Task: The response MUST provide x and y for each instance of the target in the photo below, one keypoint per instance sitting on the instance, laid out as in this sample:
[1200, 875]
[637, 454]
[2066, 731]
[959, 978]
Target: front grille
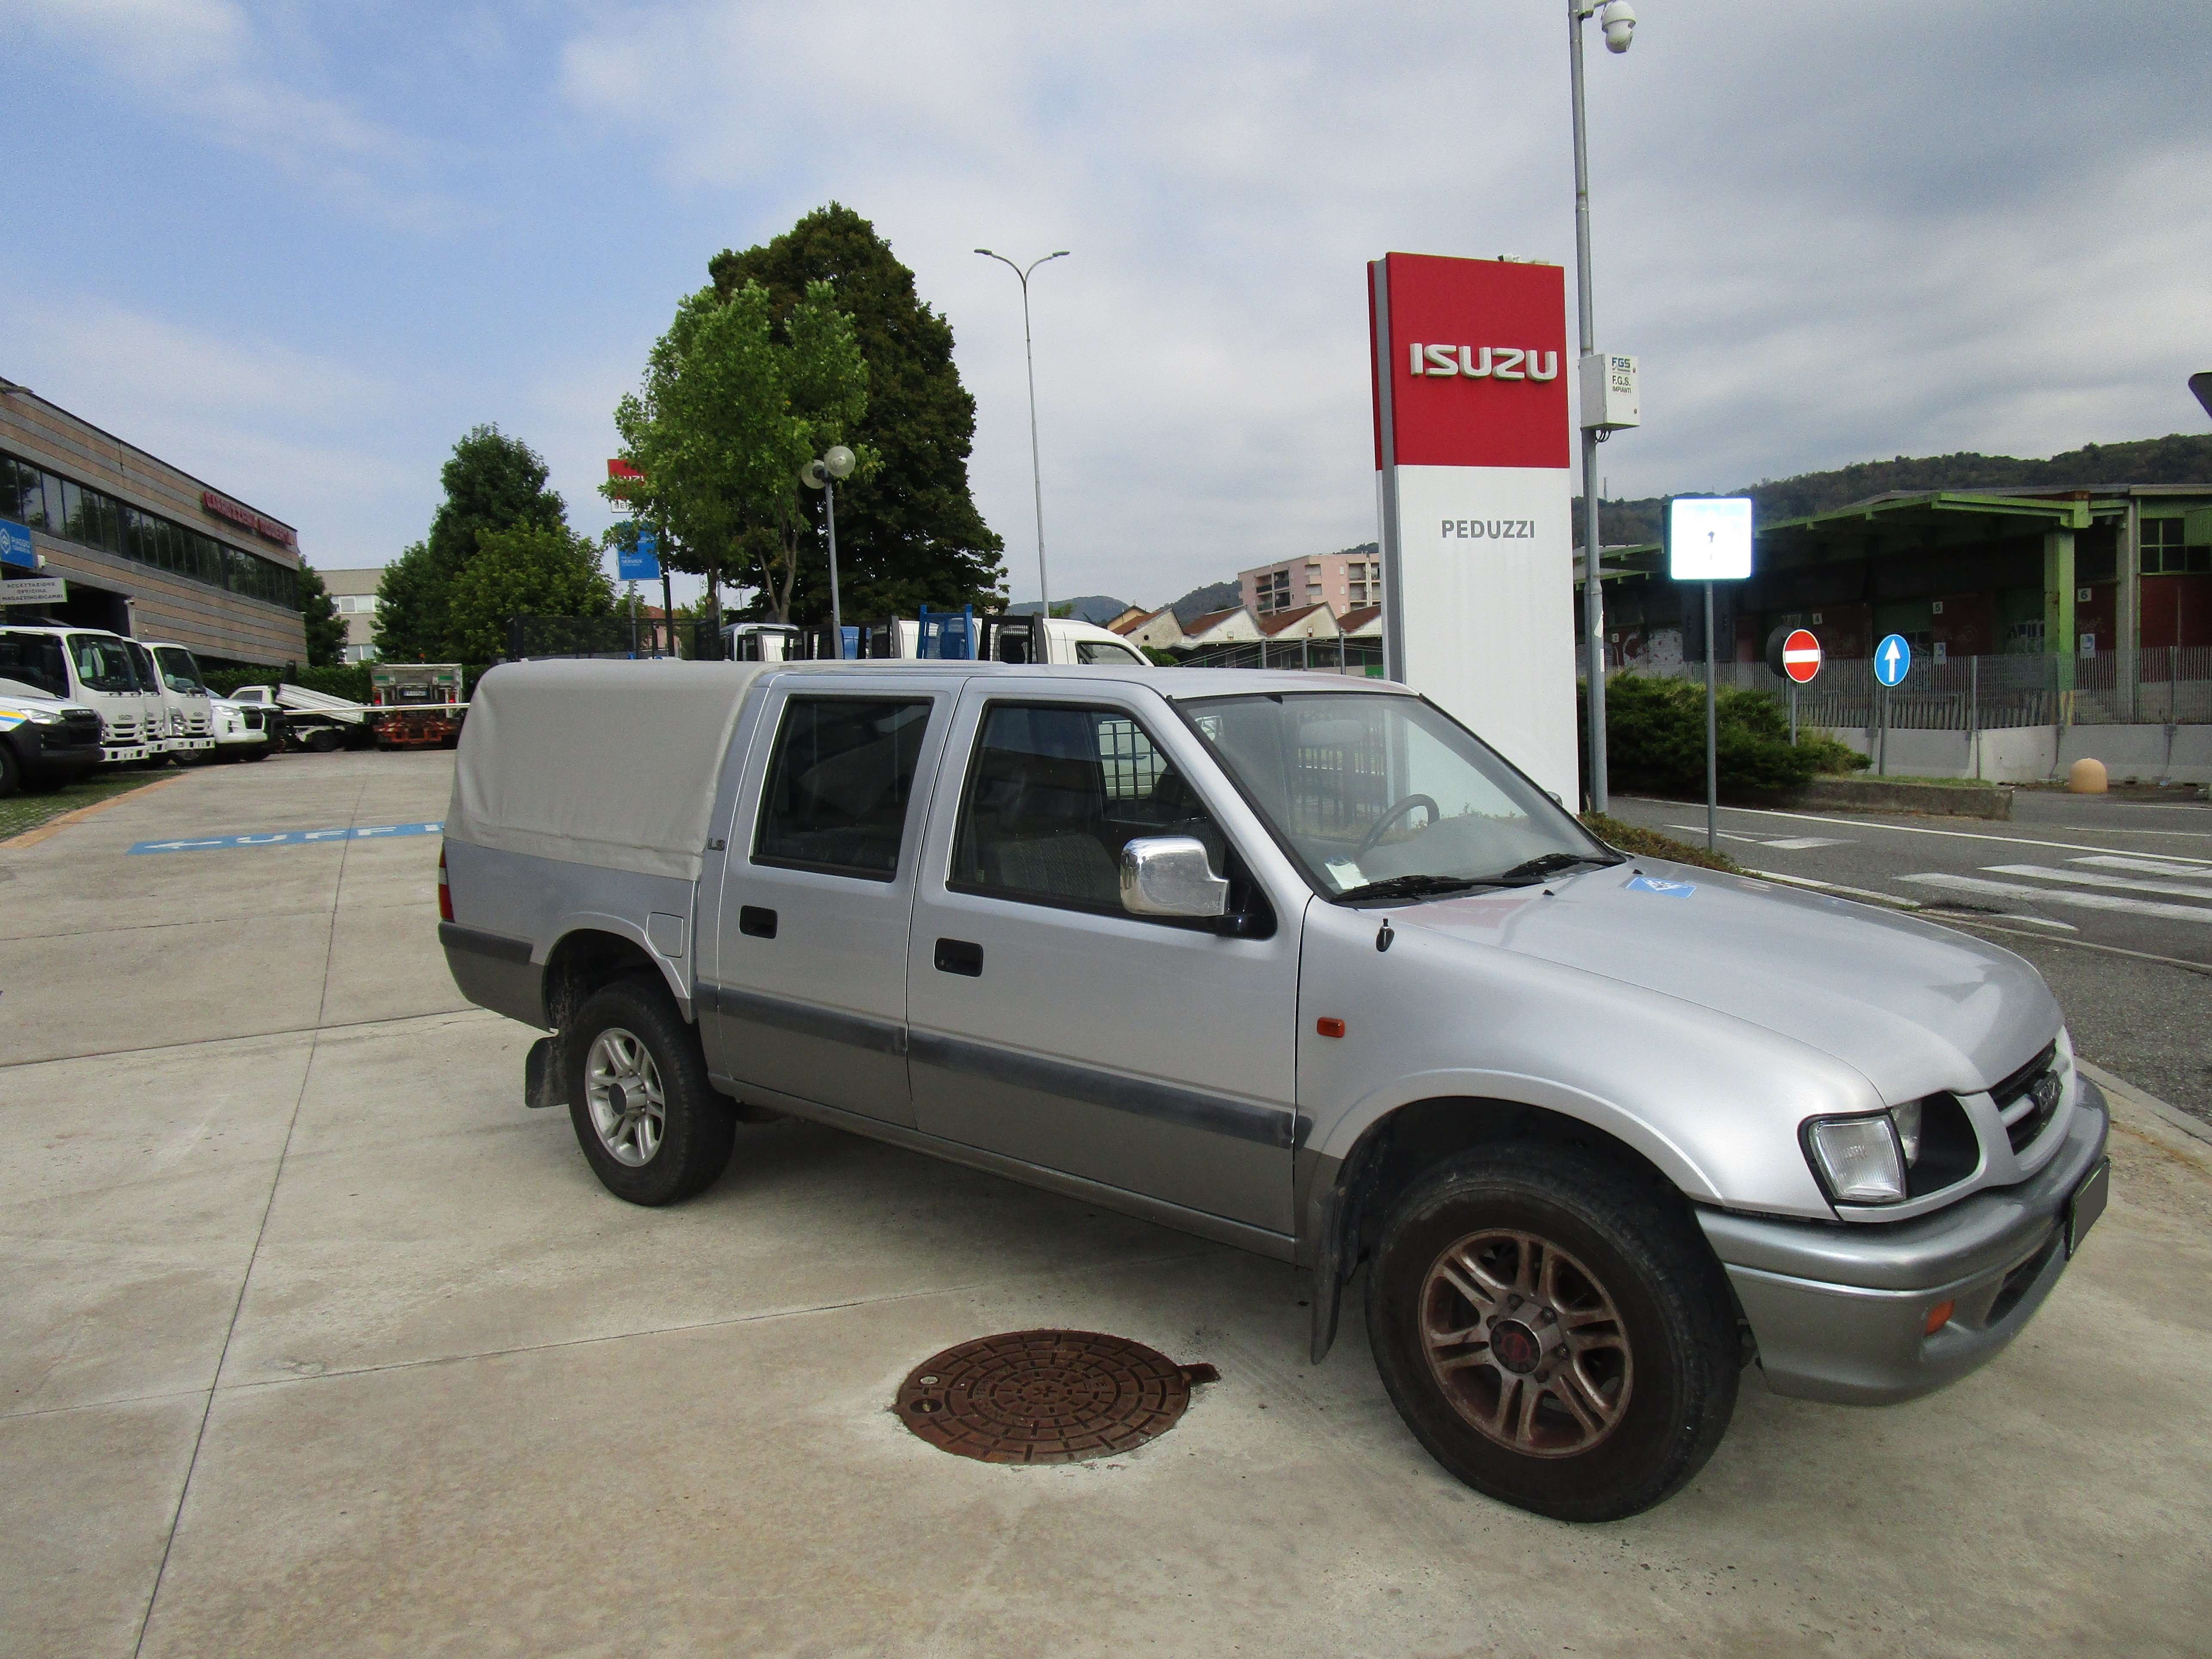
[121, 733]
[2027, 1099]
[253, 719]
[82, 727]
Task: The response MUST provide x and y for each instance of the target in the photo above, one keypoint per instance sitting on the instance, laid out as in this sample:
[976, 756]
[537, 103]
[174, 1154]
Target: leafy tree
[326, 633]
[529, 570]
[908, 533]
[731, 409]
[1655, 740]
[492, 482]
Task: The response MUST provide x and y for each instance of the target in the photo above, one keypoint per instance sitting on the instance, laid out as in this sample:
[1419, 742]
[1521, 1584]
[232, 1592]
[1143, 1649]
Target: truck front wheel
[1553, 1331]
[651, 1125]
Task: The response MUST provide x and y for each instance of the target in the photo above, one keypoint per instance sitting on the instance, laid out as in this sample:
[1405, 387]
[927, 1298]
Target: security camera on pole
[1607, 383]
[824, 473]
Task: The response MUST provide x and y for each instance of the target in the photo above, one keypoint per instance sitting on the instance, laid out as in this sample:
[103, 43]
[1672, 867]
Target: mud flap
[542, 1081]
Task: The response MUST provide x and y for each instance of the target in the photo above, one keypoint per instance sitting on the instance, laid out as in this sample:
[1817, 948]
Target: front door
[1050, 1025]
[809, 963]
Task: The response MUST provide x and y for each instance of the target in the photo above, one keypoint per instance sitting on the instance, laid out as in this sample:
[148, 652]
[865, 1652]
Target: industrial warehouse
[145, 549]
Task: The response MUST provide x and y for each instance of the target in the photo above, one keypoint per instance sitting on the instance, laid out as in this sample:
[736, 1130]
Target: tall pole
[836, 614]
[1029, 357]
[1712, 737]
[1586, 310]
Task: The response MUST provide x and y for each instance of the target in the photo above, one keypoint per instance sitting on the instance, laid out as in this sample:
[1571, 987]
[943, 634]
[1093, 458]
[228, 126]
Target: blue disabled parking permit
[289, 837]
[1667, 889]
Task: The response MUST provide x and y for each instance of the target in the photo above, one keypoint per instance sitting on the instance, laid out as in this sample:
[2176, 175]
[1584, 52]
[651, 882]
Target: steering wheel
[1397, 811]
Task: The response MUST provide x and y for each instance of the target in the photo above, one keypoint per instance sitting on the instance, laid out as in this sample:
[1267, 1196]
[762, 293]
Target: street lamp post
[823, 473]
[1028, 353]
[1617, 18]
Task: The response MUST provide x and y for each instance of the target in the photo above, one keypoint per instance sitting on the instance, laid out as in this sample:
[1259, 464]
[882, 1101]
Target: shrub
[1654, 740]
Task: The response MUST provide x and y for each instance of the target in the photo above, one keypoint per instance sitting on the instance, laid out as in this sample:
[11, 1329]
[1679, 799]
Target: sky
[299, 249]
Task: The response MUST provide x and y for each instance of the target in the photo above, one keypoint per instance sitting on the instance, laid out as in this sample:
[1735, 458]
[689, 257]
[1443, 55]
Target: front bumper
[1839, 1312]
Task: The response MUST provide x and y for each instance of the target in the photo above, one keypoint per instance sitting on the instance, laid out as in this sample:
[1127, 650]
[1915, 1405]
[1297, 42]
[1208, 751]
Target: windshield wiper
[1412, 887]
[1550, 864]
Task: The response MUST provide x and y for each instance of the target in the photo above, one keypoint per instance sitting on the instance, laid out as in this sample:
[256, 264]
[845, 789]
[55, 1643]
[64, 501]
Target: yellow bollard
[2085, 777]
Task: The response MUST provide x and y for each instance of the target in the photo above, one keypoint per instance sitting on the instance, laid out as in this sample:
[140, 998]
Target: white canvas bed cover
[607, 764]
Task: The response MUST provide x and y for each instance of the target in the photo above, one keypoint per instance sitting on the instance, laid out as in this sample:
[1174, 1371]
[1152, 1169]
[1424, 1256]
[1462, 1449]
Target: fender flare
[598, 921]
[1336, 1204]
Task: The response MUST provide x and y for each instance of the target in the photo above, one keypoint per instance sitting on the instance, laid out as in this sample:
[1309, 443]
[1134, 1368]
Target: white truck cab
[92, 667]
[187, 705]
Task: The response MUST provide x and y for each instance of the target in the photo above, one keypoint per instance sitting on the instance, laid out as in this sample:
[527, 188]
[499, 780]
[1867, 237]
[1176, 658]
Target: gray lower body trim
[1266, 1125]
[496, 972]
[1278, 1247]
[881, 1036]
[1840, 1313]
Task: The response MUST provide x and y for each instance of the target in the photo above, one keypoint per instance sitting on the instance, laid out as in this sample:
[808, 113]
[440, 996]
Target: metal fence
[2171, 685]
[1337, 656]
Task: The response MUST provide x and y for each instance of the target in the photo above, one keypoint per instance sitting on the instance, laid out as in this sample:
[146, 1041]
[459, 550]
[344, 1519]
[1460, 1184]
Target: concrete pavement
[319, 1342]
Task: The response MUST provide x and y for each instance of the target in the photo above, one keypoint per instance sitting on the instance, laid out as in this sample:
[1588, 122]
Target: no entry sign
[1801, 656]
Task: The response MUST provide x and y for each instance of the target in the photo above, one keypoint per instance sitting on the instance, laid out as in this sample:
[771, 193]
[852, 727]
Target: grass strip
[27, 811]
[1634, 840]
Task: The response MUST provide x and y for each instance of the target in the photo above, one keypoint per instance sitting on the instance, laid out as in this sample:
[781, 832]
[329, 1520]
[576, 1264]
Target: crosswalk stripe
[2090, 878]
[2064, 895]
[2152, 866]
[1794, 844]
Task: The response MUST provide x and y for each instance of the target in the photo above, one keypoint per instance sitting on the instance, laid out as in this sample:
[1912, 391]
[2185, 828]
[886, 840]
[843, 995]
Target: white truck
[93, 668]
[187, 705]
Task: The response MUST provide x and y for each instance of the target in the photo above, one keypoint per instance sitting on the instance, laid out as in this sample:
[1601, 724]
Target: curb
[1877, 795]
[53, 827]
[2172, 1116]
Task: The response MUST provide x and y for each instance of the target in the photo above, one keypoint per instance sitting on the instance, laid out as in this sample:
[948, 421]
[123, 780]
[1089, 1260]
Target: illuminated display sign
[1709, 538]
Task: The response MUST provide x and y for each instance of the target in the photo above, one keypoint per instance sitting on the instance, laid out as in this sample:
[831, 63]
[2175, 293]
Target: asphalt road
[2111, 898]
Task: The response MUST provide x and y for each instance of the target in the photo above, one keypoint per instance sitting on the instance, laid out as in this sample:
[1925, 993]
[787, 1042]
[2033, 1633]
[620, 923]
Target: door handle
[957, 956]
[757, 920]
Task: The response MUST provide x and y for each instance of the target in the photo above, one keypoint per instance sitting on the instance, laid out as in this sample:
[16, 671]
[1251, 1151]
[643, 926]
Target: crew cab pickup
[1305, 968]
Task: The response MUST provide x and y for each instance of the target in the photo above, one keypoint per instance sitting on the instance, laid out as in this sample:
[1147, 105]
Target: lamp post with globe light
[1029, 354]
[1616, 19]
[823, 473]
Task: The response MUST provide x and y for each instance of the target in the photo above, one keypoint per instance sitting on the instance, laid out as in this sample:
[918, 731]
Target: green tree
[492, 482]
[531, 570]
[731, 409]
[326, 633]
[908, 533]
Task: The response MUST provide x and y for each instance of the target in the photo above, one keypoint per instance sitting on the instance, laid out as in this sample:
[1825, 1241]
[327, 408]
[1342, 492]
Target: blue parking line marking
[290, 837]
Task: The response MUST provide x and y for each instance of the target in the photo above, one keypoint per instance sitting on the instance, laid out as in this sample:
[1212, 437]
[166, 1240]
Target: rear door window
[839, 785]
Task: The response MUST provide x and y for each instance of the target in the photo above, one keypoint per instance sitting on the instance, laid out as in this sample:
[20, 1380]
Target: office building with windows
[146, 549]
[1349, 581]
[354, 592]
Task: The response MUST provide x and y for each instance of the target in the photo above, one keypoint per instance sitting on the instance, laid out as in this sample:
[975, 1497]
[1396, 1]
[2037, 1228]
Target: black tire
[259, 752]
[697, 1126]
[323, 741]
[11, 772]
[1646, 1417]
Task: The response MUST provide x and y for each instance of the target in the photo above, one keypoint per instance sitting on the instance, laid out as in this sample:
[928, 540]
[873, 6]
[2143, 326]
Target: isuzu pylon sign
[1471, 449]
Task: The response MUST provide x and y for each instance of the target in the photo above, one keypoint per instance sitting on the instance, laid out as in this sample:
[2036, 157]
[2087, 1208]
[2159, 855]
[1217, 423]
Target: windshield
[34, 659]
[102, 662]
[178, 672]
[1384, 797]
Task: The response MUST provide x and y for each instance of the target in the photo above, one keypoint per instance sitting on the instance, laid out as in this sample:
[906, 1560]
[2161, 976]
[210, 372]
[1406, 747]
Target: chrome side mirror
[1169, 875]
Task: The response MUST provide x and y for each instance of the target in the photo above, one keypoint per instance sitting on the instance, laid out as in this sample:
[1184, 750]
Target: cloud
[1845, 232]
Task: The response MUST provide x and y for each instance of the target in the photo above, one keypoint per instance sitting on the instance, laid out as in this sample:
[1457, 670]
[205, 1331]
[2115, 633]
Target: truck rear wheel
[1553, 1331]
[651, 1125]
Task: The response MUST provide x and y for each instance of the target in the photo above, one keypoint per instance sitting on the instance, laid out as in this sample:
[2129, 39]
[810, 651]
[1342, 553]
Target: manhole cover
[1045, 1396]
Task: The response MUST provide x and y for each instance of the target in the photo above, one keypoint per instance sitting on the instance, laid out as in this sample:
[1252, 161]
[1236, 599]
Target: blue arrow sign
[1893, 660]
[642, 563]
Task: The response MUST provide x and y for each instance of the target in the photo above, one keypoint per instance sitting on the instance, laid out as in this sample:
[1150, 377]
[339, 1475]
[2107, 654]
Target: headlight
[1863, 1160]
[43, 717]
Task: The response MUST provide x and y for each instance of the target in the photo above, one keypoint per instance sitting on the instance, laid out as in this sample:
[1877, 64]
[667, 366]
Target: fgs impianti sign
[1472, 450]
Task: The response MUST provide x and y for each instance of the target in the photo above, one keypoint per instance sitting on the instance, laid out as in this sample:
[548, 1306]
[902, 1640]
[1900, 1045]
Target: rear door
[808, 969]
[1049, 1025]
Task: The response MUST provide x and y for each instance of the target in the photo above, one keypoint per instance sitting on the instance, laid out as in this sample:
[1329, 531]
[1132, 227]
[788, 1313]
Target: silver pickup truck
[1296, 964]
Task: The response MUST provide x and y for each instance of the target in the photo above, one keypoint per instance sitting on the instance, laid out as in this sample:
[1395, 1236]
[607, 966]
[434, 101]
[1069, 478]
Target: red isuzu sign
[1473, 443]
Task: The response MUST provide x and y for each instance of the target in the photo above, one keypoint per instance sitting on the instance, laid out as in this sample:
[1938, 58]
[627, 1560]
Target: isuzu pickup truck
[1309, 970]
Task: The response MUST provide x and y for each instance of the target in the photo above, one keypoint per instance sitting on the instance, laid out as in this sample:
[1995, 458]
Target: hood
[28, 696]
[1913, 1007]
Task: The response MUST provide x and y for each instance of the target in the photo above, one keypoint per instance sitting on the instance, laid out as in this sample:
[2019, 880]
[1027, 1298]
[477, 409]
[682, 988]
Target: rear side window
[1054, 794]
[35, 660]
[839, 785]
[1098, 652]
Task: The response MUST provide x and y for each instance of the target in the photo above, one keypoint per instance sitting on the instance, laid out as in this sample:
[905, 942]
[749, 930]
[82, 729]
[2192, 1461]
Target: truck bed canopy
[522, 783]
